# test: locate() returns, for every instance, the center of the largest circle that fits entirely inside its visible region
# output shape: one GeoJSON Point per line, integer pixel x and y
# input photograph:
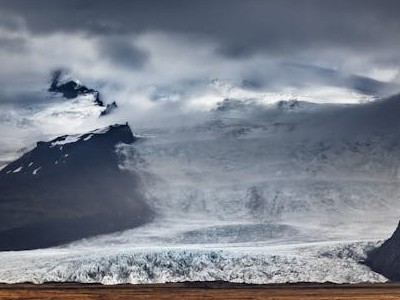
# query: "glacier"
{"type": "Point", "coordinates": [254, 193]}
{"type": "Point", "coordinates": [113, 265]}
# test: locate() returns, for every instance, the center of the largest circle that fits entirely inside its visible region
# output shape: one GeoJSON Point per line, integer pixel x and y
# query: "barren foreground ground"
{"type": "Point", "coordinates": [200, 291]}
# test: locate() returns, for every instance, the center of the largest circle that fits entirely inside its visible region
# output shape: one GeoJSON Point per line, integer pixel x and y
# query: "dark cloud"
{"type": "Point", "coordinates": [143, 46]}
{"type": "Point", "coordinates": [242, 26]}
{"type": "Point", "coordinates": [123, 52]}
{"type": "Point", "coordinates": [234, 51]}
{"type": "Point", "coordinates": [9, 22]}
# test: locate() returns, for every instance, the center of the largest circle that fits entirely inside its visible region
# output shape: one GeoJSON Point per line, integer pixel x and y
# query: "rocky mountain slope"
{"type": "Point", "coordinates": [69, 188]}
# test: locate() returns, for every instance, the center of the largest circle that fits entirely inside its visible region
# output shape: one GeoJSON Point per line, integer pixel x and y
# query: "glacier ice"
{"type": "Point", "coordinates": [317, 263]}
{"type": "Point", "coordinates": [249, 195]}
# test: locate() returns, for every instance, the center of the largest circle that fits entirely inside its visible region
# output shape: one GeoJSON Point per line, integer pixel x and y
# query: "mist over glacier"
{"type": "Point", "coordinates": [246, 192]}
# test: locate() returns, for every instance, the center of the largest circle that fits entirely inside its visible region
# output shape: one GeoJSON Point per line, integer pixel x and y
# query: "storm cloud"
{"type": "Point", "coordinates": [134, 49]}
{"type": "Point", "coordinates": [242, 26]}
{"type": "Point", "coordinates": [121, 52]}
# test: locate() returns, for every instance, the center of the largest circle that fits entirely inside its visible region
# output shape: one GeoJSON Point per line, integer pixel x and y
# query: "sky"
{"type": "Point", "coordinates": [146, 48]}
{"type": "Point", "coordinates": [178, 56]}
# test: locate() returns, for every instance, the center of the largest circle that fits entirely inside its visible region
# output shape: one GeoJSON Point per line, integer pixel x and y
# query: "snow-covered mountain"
{"type": "Point", "coordinates": [288, 162]}
{"type": "Point", "coordinates": [68, 107]}
{"type": "Point", "coordinates": [340, 93]}
{"type": "Point", "coordinates": [69, 188]}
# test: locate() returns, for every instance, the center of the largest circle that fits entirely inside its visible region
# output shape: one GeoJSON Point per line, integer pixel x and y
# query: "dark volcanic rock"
{"type": "Point", "coordinates": [386, 259]}
{"type": "Point", "coordinates": [69, 188]}
{"type": "Point", "coordinates": [72, 89]}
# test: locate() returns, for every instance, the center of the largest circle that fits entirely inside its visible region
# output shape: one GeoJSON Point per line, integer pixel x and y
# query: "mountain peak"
{"type": "Point", "coordinates": [71, 89]}
{"type": "Point", "coordinates": [113, 134]}
{"type": "Point", "coordinates": [52, 155]}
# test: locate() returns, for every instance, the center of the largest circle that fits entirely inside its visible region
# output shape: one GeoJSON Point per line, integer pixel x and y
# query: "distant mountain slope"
{"type": "Point", "coordinates": [69, 188]}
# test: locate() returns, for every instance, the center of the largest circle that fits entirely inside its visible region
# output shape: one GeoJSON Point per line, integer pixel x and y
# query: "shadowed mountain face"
{"type": "Point", "coordinates": [331, 77]}
{"type": "Point", "coordinates": [386, 259]}
{"type": "Point", "coordinates": [69, 188]}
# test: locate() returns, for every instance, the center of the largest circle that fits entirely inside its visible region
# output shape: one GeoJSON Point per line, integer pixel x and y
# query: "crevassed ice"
{"type": "Point", "coordinates": [114, 266]}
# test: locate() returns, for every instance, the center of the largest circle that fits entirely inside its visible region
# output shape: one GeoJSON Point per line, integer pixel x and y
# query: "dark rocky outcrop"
{"type": "Point", "coordinates": [109, 108]}
{"type": "Point", "coordinates": [386, 259]}
{"type": "Point", "coordinates": [70, 188]}
{"type": "Point", "coordinates": [72, 89]}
